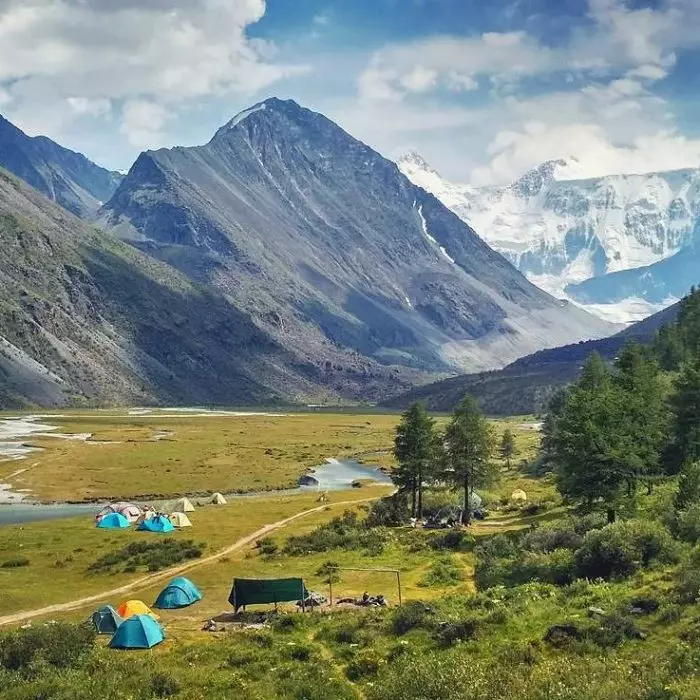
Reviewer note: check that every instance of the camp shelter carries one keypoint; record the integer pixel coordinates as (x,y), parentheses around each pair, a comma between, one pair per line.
(138,632)
(129,510)
(113,521)
(129,608)
(158,523)
(257,591)
(218,500)
(106,620)
(146,515)
(184,505)
(518,495)
(180,520)
(179,593)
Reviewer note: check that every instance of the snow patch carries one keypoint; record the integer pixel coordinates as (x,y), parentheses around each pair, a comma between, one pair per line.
(628,311)
(426,233)
(244,115)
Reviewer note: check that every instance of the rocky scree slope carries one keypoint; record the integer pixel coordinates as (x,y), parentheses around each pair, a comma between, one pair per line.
(332,252)
(65,177)
(86,318)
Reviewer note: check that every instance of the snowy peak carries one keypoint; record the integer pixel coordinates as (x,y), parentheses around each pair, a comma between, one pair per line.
(550,171)
(272,105)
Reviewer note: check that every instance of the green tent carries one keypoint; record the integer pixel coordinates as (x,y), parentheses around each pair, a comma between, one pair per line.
(256,591)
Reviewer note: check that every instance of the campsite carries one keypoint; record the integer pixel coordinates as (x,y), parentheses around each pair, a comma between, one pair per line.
(198,592)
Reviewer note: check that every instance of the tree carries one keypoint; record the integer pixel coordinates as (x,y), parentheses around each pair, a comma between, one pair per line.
(686,424)
(688,486)
(555,409)
(415,452)
(587,443)
(507,448)
(468,445)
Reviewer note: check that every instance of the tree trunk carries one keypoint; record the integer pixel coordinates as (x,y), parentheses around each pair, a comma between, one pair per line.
(611,516)
(650,488)
(466,513)
(413,499)
(419,513)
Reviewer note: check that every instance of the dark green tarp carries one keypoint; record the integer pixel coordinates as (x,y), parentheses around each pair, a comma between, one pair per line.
(247,591)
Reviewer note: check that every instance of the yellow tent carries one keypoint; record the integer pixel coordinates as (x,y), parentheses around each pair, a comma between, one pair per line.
(518,495)
(129,608)
(218,500)
(180,520)
(184,505)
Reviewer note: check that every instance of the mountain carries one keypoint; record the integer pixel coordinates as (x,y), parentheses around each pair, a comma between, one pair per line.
(560,229)
(670,278)
(332,252)
(525,386)
(65,177)
(88,319)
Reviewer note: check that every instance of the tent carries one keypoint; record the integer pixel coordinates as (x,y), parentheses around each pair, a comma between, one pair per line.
(180,520)
(129,608)
(218,500)
(106,620)
(276,590)
(130,511)
(179,593)
(518,495)
(158,523)
(146,515)
(138,632)
(184,505)
(113,521)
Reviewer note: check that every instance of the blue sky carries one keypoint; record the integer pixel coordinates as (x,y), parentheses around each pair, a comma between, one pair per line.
(484,90)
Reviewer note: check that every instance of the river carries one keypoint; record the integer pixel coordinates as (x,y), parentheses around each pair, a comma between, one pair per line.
(333,475)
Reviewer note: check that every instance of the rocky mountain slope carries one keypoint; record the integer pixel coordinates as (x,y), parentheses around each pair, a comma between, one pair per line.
(332,252)
(525,386)
(64,176)
(558,229)
(86,318)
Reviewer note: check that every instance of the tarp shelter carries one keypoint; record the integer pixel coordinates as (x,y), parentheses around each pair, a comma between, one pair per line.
(113,521)
(158,523)
(138,632)
(218,500)
(276,590)
(518,495)
(184,505)
(106,620)
(179,593)
(180,520)
(129,608)
(130,511)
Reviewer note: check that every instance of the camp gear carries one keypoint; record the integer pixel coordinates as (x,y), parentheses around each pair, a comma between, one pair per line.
(180,520)
(158,523)
(106,620)
(179,593)
(184,505)
(113,521)
(276,590)
(218,500)
(129,608)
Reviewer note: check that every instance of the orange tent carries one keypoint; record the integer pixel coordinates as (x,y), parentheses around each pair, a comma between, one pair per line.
(134,607)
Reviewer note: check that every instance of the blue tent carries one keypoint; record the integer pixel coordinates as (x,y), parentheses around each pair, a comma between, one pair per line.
(106,620)
(138,632)
(179,593)
(158,523)
(113,521)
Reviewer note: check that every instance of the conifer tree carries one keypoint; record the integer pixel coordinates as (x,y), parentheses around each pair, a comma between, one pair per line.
(507,448)
(686,424)
(415,451)
(468,446)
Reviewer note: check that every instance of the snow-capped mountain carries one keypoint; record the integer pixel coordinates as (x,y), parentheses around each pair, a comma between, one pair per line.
(560,229)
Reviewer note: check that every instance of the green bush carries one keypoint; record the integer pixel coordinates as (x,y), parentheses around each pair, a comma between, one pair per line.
(154,556)
(14,563)
(620,549)
(163,685)
(329,572)
(687,525)
(556,567)
(364,665)
(61,645)
(443,572)
(689,578)
(409,616)
(551,537)
(454,540)
(391,511)
(267,546)
(451,633)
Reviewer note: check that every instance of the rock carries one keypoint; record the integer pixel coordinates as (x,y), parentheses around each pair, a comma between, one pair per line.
(596,612)
(561,635)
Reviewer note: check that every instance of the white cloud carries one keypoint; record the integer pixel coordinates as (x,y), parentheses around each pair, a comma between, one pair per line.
(142,123)
(84,106)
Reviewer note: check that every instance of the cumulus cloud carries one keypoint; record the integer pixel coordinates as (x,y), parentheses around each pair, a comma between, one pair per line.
(87,53)
(142,123)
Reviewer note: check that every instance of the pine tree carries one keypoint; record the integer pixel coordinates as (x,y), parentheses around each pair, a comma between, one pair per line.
(507,448)
(688,486)
(468,445)
(415,452)
(555,409)
(686,426)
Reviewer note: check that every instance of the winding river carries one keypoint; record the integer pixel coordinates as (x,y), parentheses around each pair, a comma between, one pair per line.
(16,508)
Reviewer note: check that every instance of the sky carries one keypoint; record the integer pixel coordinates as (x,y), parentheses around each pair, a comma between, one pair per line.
(484,90)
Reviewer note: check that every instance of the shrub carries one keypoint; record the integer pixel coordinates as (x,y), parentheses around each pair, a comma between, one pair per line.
(346,634)
(670,613)
(267,546)
(549,538)
(409,616)
(15,563)
(612,631)
(389,512)
(687,526)
(285,623)
(455,540)
(154,556)
(556,567)
(300,652)
(442,572)
(364,665)
(450,633)
(620,549)
(61,645)
(163,685)
(689,578)
(329,572)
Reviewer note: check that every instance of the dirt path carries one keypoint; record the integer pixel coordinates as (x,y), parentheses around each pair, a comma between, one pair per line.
(146,581)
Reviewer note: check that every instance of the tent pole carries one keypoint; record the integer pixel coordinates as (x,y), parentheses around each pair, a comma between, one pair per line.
(398,581)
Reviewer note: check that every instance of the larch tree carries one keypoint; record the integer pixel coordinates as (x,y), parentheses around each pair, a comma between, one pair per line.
(507,447)
(415,451)
(468,444)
